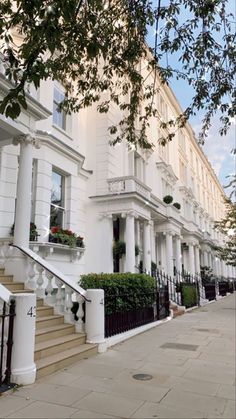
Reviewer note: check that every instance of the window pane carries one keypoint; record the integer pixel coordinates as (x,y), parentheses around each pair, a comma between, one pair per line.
(56,193)
(56,216)
(57,200)
(59,117)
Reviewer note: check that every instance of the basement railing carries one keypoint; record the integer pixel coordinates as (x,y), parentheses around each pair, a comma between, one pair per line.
(56,288)
(7,314)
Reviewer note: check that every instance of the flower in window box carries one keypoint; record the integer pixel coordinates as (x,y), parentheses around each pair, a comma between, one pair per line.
(65,236)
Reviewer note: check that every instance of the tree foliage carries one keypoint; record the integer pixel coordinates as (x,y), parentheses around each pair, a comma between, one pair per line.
(227,226)
(98,50)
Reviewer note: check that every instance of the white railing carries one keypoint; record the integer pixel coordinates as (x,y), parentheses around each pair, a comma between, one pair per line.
(43,277)
(126,184)
(48,283)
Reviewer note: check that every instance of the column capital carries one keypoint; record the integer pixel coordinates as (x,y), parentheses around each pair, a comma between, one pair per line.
(147,222)
(131,214)
(168,233)
(26,139)
(103,215)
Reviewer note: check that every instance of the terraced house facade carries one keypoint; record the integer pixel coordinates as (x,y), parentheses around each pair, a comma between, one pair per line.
(82,196)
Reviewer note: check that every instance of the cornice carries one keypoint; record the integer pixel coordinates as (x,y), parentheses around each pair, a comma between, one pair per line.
(33,106)
(167,170)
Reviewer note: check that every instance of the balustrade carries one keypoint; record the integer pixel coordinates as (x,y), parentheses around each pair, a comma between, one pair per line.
(49,284)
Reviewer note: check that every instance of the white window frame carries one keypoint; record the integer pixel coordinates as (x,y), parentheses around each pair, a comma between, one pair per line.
(63,192)
(59,118)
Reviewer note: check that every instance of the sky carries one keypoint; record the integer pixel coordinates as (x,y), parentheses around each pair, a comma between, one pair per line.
(217,148)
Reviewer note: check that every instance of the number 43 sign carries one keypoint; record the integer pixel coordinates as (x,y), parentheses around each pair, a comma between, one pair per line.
(32,311)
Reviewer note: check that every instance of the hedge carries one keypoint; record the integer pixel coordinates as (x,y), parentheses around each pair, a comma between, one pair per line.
(123,291)
(189,295)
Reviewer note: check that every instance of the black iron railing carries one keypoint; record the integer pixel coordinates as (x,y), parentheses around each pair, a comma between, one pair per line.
(7,315)
(123,312)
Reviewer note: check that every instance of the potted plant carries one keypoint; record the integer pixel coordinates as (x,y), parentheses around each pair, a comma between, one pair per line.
(33,233)
(168,199)
(177,205)
(65,236)
(119,249)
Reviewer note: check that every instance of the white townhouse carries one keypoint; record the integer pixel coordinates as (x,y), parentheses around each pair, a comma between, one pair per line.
(105,193)
(59,171)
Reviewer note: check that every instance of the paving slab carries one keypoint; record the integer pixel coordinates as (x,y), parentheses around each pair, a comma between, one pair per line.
(109,404)
(155,410)
(38,410)
(197,402)
(10,404)
(59,394)
(185,383)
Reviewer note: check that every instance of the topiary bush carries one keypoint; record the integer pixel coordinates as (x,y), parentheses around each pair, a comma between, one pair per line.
(168,199)
(119,249)
(189,295)
(123,291)
(177,205)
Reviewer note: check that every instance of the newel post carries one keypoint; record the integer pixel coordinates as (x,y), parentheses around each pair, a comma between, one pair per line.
(95,316)
(23,369)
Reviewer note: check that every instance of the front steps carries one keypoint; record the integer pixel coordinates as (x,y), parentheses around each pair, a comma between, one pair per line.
(56,343)
(177,310)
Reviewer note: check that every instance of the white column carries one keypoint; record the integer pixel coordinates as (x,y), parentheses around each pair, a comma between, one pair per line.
(23,195)
(23,369)
(197,259)
(169,254)
(209,260)
(147,246)
(105,258)
(130,244)
(191,263)
(153,243)
(215,268)
(205,258)
(138,239)
(178,253)
(222,268)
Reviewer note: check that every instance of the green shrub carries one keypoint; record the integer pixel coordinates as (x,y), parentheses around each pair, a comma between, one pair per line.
(177,205)
(168,199)
(189,295)
(123,291)
(119,249)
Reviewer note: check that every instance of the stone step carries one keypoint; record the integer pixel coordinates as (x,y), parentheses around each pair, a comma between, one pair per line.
(61,360)
(47,321)
(178,313)
(22,291)
(53,332)
(43,311)
(39,302)
(5,278)
(14,286)
(54,346)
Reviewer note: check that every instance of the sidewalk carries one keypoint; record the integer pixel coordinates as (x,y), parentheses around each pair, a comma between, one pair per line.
(191,360)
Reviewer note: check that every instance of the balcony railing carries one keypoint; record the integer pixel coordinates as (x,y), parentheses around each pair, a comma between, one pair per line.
(128,184)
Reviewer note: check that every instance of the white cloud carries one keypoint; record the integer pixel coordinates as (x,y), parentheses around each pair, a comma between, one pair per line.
(218,150)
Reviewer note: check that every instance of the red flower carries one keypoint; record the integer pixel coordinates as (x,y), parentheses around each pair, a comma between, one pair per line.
(55,230)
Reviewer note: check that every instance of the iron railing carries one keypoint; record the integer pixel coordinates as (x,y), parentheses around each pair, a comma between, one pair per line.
(7,315)
(124,312)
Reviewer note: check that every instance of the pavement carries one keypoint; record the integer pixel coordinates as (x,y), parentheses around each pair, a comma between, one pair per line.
(191,361)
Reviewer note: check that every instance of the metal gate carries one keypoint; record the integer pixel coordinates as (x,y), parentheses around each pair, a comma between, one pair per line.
(7,314)
(163,302)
